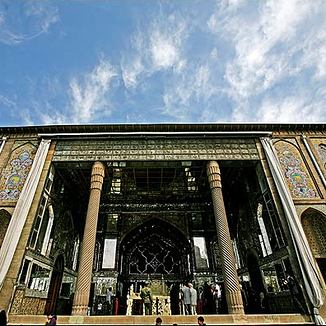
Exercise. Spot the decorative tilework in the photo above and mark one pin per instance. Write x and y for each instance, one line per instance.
(295, 171)
(15, 173)
(160, 149)
(321, 150)
(25, 305)
(17, 301)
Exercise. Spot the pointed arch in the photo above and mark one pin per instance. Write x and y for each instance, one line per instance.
(314, 226)
(154, 247)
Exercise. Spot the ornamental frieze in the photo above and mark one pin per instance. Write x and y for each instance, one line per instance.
(161, 149)
(131, 221)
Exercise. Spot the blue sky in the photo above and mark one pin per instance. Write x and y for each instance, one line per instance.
(116, 61)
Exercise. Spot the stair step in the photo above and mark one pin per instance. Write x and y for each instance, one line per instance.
(211, 320)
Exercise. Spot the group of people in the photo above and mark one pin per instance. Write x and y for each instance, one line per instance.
(189, 298)
(200, 320)
(206, 300)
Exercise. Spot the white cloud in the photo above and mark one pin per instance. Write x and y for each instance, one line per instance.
(214, 55)
(290, 109)
(164, 52)
(53, 118)
(2, 18)
(166, 39)
(256, 67)
(131, 71)
(88, 96)
(189, 90)
(257, 64)
(41, 111)
(300, 107)
(274, 44)
(155, 47)
(7, 102)
(314, 52)
(26, 20)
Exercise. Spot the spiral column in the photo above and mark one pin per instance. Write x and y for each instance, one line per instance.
(85, 269)
(231, 281)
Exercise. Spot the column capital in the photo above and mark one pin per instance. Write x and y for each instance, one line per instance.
(214, 175)
(98, 172)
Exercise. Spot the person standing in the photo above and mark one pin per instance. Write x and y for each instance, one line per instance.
(146, 295)
(186, 299)
(217, 297)
(208, 299)
(109, 301)
(193, 299)
(200, 301)
(158, 321)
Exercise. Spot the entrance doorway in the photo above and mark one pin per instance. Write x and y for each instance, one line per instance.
(157, 253)
(55, 285)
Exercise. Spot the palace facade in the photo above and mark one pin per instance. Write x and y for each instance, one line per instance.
(89, 214)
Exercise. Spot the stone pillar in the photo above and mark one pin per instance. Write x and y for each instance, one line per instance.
(85, 269)
(231, 281)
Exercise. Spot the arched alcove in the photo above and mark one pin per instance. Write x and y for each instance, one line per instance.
(314, 225)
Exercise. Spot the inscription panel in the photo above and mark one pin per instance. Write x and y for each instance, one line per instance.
(155, 150)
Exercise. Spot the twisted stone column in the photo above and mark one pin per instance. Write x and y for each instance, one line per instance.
(231, 282)
(85, 269)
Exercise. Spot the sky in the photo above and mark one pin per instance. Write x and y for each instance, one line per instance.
(149, 61)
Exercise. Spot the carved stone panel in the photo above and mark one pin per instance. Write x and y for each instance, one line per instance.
(161, 149)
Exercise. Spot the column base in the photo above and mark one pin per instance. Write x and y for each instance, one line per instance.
(79, 310)
(234, 301)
